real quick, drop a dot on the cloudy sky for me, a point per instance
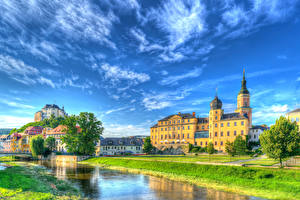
(133, 62)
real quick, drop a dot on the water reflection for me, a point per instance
(99, 183)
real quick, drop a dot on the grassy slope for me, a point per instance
(267, 183)
(33, 182)
(199, 158)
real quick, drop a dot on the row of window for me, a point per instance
(119, 148)
(175, 121)
(228, 133)
(228, 124)
(202, 143)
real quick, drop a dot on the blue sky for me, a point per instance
(133, 62)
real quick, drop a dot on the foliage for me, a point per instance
(82, 141)
(37, 145)
(147, 145)
(190, 147)
(210, 148)
(13, 131)
(282, 140)
(229, 148)
(267, 183)
(50, 143)
(240, 145)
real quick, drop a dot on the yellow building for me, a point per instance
(219, 127)
(294, 116)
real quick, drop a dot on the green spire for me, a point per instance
(244, 89)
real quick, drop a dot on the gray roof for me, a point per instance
(202, 120)
(128, 141)
(296, 110)
(229, 116)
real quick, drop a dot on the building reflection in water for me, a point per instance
(99, 183)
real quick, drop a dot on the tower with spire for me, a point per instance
(243, 101)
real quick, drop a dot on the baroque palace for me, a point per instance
(218, 128)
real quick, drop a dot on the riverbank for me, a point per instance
(265, 183)
(33, 182)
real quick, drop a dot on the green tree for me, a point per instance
(190, 147)
(50, 143)
(147, 145)
(282, 140)
(240, 145)
(210, 149)
(229, 148)
(82, 141)
(37, 145)
(13, 131)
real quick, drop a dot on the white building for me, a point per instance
(121, 146)
(48, 110)
(255, 132)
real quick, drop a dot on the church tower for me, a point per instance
(215, 115)
(243, 101)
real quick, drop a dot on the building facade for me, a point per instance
(294, 116)
(57, 133)
(255, 132)
(218, 127)
(48, 110)
(121, 146)
(5, 131)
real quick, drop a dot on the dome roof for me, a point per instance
(216, 103)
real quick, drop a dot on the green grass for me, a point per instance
(262, 162)
(7, 158)
(183, 158)
(261, 182)
(32, 182)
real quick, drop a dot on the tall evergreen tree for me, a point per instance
(147, 145)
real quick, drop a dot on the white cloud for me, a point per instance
(46, 81)
(298, 79)
(116, 110)
(82, 20)
(234, 16)
(115, 74)
(123, 130)
(51, 72)
(269, 114)
(164, 72)
(282, 57)
(7, 121)
(173, 80)
(180, 20)
(18, 70)
(16, 104)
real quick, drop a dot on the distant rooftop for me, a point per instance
(294, 111)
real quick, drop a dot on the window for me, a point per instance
(216, 125)
(178, 127)
(183, 128)
(166, 129)
(188, 127)
(188, 120)
(201, 143)
(222, 125)
(221, 134)
(221, 143)
(152, 137)
(206, 143)
(178, 121)
(178, 136)
(161, 137)
(228, 124)
(166, 123)
(216, 112)
(166, 136)
(174, 122)
(183, 121)
(188, 135)
(216, 143)
(254, 136)
(182, 135)
(161, 129)
(242, 132)
(207, 126)
(216, 117)
(228, 133)
(202, 127)
(234, 133)
(235, 124)
(216, 134)
(242, 123)
(196, 143)
(297, 119)
(173, 128)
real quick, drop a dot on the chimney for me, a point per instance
(194, 114)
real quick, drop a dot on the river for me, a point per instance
(104, 184)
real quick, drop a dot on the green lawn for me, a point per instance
(261, 182)
(20, 182)
(183, 158)
(262, 162)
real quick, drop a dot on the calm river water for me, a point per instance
(104, 184)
